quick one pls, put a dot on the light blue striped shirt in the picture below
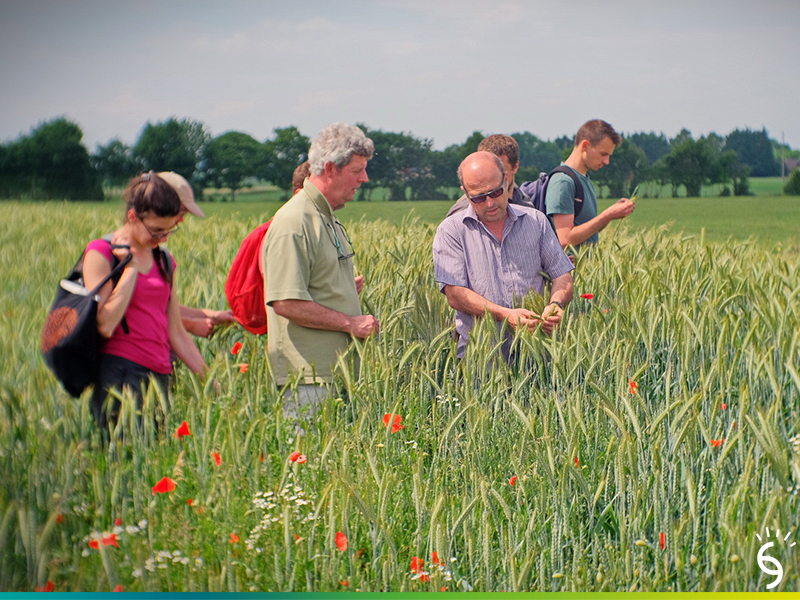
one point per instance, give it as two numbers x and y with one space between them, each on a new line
467 254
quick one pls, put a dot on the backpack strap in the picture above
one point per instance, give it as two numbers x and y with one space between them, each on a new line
116 272
578 203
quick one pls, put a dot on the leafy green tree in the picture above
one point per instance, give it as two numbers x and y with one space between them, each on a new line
444 168
52 163
232 157
755 150
470 145
690 163
537 153
402 162
655 146
174 146
792 187
115 163
284 153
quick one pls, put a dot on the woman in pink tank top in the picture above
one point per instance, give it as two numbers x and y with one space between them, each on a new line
138 318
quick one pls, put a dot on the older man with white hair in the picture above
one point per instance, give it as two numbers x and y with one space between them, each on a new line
313 309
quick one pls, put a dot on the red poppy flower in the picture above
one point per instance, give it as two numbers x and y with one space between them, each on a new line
734 424
261 458
634 386
189 501
182 431
416 564
444 589
344 583
118 588
513 480
723 406
243 367
217 458
301 459
234 539
605 310
396 424
236 347
423 578
717 443
577 462
117 522
111 540
662 541
164 486
94 544
46 588
59 519
294 456
296 537
587 296
341 541
360 552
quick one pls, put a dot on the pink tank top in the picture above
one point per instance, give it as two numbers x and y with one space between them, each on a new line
147 343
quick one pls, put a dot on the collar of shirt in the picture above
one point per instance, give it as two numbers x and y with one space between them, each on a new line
318 199
513 213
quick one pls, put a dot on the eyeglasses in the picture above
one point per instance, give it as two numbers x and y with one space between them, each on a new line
337 243
496 193
159 234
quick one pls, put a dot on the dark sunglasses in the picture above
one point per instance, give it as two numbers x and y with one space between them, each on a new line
480 198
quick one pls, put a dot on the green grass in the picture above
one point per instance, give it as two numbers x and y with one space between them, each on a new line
706 329
767 186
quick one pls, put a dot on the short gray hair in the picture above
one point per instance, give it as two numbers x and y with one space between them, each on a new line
337 144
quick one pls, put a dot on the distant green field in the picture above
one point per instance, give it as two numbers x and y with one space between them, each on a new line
767 186
773 220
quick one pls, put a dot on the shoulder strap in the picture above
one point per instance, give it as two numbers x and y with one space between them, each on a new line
578 185
117 267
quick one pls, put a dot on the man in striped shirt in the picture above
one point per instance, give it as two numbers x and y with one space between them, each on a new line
489 256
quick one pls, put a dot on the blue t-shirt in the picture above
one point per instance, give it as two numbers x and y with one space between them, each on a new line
560 199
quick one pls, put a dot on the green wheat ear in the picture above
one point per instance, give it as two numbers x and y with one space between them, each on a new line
533 302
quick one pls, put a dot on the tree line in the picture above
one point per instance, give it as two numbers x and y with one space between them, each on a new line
52 162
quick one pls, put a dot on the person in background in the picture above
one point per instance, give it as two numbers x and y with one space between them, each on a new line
197 321
594 144
138 318
491 255
506 149
313 308
299 176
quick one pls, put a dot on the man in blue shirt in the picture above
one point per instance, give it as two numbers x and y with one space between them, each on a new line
489 256
594 144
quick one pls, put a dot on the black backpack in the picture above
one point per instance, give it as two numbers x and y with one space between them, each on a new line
537 189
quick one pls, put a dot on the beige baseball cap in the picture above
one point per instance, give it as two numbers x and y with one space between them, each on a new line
184 190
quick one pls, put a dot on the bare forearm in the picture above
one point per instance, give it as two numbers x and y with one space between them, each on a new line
313 315
465 300
111 312
572 235
562 289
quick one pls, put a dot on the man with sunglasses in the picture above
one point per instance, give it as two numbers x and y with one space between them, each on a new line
313 308
506 149
491 255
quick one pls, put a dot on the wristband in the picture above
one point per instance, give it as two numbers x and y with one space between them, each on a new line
557 303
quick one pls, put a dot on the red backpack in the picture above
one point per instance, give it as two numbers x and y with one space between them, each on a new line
244 287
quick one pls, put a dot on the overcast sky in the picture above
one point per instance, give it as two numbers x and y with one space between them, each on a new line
439 69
